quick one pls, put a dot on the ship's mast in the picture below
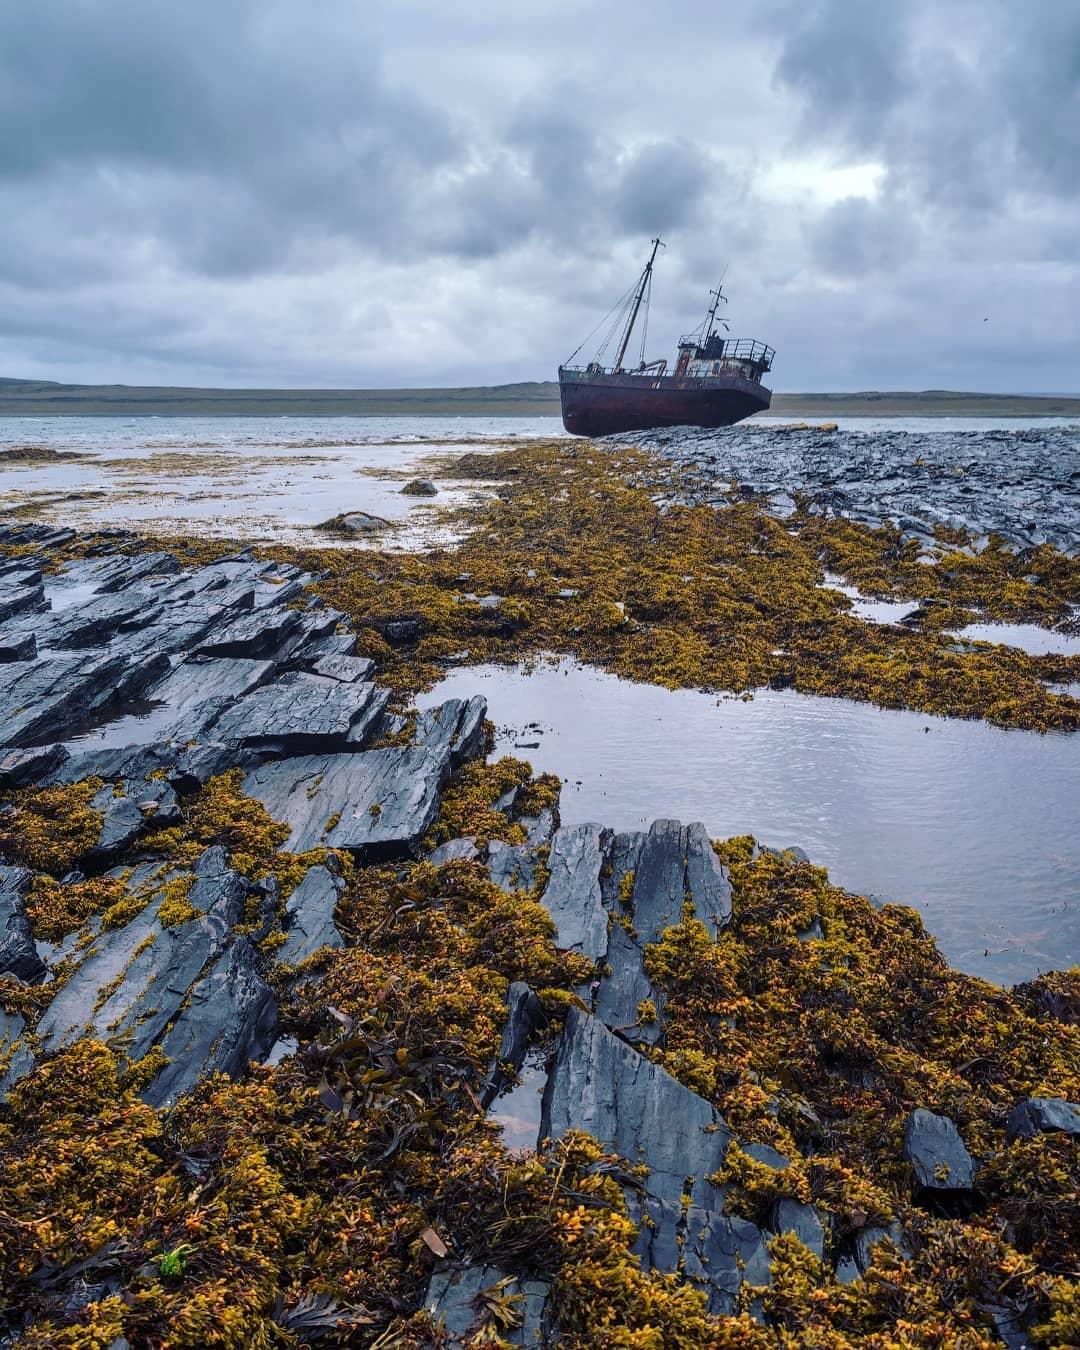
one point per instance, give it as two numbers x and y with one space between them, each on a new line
642 285
710 320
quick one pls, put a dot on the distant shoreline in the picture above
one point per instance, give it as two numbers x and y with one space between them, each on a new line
39 398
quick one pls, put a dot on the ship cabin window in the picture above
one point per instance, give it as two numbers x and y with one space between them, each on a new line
716 367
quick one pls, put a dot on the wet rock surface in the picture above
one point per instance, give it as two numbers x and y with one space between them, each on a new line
1021 484
129 669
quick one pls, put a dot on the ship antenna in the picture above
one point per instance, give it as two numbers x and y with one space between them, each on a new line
642 284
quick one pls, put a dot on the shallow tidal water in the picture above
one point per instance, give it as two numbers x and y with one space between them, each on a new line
269 478
977 828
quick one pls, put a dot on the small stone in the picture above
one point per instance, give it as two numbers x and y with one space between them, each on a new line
935 1150
1037 1115
420 487
354 523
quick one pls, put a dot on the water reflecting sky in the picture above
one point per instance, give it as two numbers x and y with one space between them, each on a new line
976 827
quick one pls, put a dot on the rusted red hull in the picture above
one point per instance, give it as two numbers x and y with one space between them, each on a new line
603 404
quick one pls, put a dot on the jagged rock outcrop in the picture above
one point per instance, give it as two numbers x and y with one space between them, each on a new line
610 895
18 951
302 713
603 1086
133 979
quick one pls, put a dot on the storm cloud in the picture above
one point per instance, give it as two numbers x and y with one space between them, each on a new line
345 193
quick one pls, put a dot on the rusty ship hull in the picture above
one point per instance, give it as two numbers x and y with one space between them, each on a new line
606 403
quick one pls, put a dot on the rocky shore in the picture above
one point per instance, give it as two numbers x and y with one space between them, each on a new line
274 950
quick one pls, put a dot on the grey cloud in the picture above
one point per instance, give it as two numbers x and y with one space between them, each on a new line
267 191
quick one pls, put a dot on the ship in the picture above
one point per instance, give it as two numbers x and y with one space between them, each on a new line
715 383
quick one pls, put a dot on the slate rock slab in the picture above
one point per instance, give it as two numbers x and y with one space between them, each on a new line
349 669
300 712
454 729
602 1086
512 867
524 1015
791 1216
1038 1115
455 849
16 1057
46 699
375 802
310 916
198 690
18 952
676 863
572 896
229 1020
134 979
17 646
936 1152
454 1299
719 1253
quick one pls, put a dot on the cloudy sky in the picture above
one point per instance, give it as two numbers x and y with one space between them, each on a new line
398 192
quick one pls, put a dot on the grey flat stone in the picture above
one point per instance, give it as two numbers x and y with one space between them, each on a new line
790 1216
332 799
572 896
936 1152
229 1020
538 829
454 849
310 916
16 1058
720 1253
512 867
197 690
18 952
1036 1115
301 713
17 598
453 1300
621 992
19 768
607 1089
455 729
16 646
254 635
96 621
134 979
348 669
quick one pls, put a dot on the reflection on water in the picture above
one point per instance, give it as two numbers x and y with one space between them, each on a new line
976 827
1029 637
518 1111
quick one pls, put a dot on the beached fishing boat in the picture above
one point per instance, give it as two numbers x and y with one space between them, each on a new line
716 380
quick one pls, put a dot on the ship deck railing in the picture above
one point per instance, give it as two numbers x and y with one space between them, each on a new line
735 349
747 350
